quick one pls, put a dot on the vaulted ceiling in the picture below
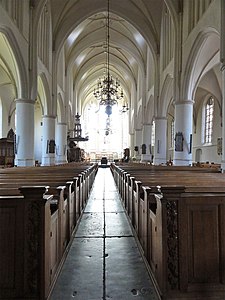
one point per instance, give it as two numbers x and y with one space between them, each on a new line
80 27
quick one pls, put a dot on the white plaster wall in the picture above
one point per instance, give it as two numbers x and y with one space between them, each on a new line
170 149
150 71
61 71
209 152
37 133
48 109
209 19
7 97
20 39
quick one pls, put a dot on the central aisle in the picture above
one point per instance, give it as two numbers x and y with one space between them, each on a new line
104 261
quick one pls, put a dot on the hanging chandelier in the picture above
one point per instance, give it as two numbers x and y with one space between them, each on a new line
108 90
108 129
125 107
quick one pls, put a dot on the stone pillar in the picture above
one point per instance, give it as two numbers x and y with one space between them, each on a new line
24 148
48 141
137 143
160 141
146 142
183 133
131 145
61 143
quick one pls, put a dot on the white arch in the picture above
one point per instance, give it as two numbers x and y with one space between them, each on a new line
60 109
205 48
44 93
134 16
139 121
166 96
149 112
15 61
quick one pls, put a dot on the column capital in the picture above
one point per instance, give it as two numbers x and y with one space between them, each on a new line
24 101
160 118
49 116
62 124
182 102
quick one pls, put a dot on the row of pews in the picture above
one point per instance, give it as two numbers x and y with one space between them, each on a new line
178 214
40 208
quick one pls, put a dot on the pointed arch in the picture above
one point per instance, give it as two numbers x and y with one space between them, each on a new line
60 109
44 93
166 95
149 112
14 60
204 53
139 118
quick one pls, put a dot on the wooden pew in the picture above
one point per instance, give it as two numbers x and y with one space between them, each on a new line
37 224
185 243
25 244
179 218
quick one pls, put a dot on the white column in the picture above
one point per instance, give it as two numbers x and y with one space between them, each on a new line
48 141
160 141
146 140
137 143
24 148
131 142
183 128
61 143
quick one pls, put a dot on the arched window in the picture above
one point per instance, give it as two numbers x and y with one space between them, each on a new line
153 133
209 109
172 134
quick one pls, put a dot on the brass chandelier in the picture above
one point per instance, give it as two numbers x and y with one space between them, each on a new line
108 90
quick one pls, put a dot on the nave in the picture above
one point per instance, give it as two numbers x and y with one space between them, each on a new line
104 261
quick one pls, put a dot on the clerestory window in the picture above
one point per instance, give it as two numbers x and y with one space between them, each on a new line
209 109
172 134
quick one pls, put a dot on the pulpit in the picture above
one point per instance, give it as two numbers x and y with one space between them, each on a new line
7 152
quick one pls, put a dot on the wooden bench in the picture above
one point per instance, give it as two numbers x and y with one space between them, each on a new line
37 223
179 219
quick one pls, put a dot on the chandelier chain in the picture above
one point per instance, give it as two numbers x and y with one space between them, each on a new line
108 90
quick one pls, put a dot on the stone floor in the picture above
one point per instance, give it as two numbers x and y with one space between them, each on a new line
104 261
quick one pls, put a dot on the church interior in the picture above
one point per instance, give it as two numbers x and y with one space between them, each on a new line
130 92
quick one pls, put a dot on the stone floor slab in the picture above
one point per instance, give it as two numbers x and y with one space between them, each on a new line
104 261
82 274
